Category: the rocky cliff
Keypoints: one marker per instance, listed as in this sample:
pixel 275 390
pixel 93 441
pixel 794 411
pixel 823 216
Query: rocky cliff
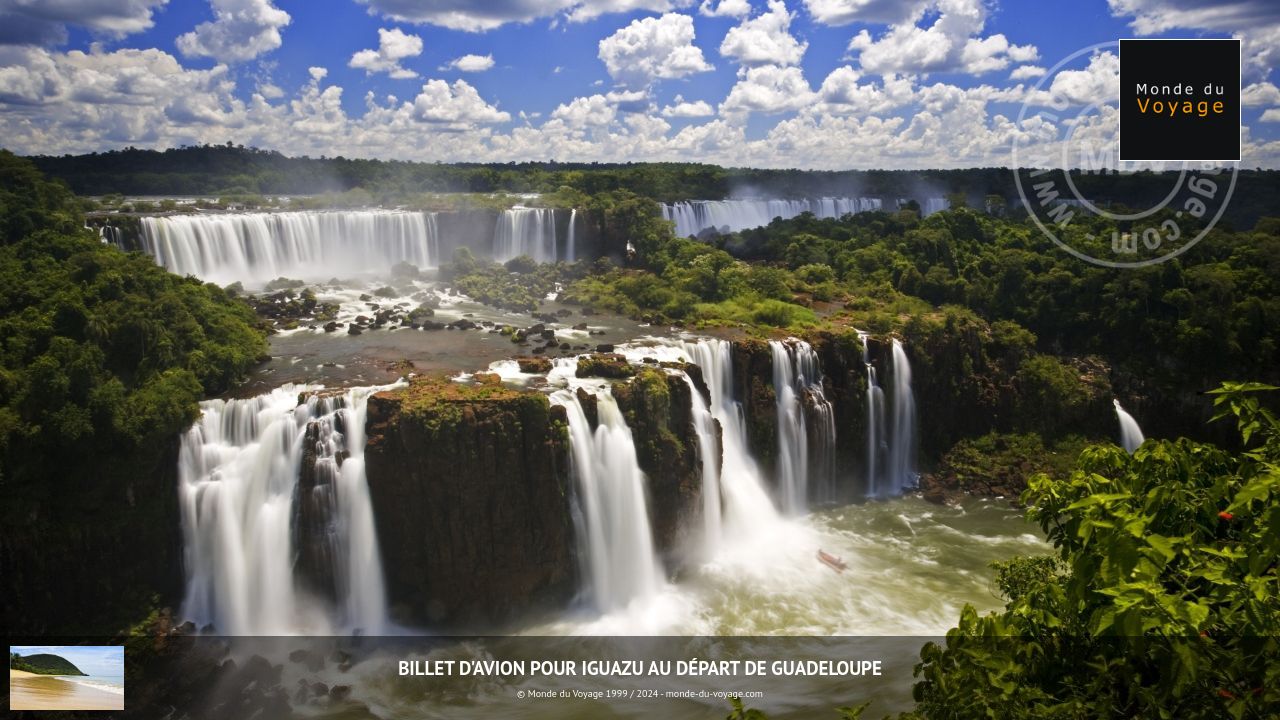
pixel 470 488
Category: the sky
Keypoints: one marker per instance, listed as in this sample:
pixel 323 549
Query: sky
pixel 826 84
pixel 105 660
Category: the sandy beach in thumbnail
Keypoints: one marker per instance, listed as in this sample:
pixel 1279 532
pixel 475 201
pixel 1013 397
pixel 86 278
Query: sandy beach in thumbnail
pixel 28 691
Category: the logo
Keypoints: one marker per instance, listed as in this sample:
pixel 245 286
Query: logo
pixel 1101 209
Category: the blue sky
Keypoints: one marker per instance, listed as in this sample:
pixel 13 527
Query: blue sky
pixel 803 83
pixel 91 659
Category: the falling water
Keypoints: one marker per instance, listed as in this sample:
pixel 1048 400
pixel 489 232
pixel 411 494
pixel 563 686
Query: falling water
pixel 693 216
pixel 704 426
pixel 797 380
pixel 525 231
pixel 875 421
pixel 571 249
pixel 1130 433
pixel 933 205
pixel 622 565
pixel 747 506
pixel 238 474
pixel 902 447
pixel 256 247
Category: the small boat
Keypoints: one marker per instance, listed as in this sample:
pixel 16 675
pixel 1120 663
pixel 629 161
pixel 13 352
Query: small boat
pixel 832 561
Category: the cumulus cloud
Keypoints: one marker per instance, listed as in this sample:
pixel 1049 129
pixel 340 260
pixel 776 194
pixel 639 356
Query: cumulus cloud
pixel 650 49
pixel 1271 115
pixel 240 30
pixel 725 8
pixel 952 43
pixel 767 89
pixel 473 16
pixel 23 22
pixel 844 12
pixel 1257 94
pixel 394 45
pixel 1256 22
pixel 470 63
pixel 682 108
pixel 765 40
pixel 1026 72
pixel 458 105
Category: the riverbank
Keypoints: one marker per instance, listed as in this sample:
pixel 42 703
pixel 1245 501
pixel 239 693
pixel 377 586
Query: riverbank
pixel 28 691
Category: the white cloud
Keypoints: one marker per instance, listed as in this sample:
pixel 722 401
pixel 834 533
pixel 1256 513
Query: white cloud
pixel 1256 22
pixel 1026 72
pixel 470 63
pixel 650 49
pixel 459 105
pixel 841 93
pixel 479 16
pixel 843 12
pixel 1258 94
pixel 682 108
pixel 1271 115
pixel 23 22
pixel 241 30
pixel 394 45
pixel 725 8
pixel 765 39
pixel 951 44
pixel 767 89
pixel 586 111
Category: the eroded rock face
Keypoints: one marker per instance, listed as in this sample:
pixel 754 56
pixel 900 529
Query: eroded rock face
pixel 753 377
pixel 470 488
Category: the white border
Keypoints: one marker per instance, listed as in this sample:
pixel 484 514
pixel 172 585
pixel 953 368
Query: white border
pixel 1239 105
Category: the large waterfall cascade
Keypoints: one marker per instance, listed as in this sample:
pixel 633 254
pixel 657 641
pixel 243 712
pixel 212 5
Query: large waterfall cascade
pixel 615 533
pixel 256 247
pixel 1130 433
pixel 902 450
pixel 239 490
pixel 797 383
pixel 525 231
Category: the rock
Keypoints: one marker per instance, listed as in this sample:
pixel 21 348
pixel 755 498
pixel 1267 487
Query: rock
pixel 535 330
pixel 354 330
pixel 604 348
pixel 535 365
pixel 338 693
pixel 580 326
pixel 548 334
pixel 470 486
pixel 608 365
pixel 564 312
pixel 487 378
pixel 365 297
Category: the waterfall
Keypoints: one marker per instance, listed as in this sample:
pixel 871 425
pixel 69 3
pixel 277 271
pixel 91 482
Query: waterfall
pixel 704 425
pixel 694 216
pixel 902 448
pixel 746 504
pixel 1130 433
pixel 797 380
pixel 571 247
pixel 933 205
pixel 241 499
pixel 617 539
pixel 256 247
pixel 875 420
pixel 525 231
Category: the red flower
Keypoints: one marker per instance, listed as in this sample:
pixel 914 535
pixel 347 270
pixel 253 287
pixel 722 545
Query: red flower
pixel 1226 694
pixel 1226 515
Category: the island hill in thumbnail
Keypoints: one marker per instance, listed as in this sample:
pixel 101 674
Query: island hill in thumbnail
pixel 43 664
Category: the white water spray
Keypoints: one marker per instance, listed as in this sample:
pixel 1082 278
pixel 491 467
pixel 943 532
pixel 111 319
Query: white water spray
pixel 1131 436
pixel 256 247
pixel 902 450
pixel 797 379
pixel 617 540
pixel 238 473
pixel 525 231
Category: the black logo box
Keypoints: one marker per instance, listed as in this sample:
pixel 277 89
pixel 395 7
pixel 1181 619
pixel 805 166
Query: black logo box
pixel 1185 64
